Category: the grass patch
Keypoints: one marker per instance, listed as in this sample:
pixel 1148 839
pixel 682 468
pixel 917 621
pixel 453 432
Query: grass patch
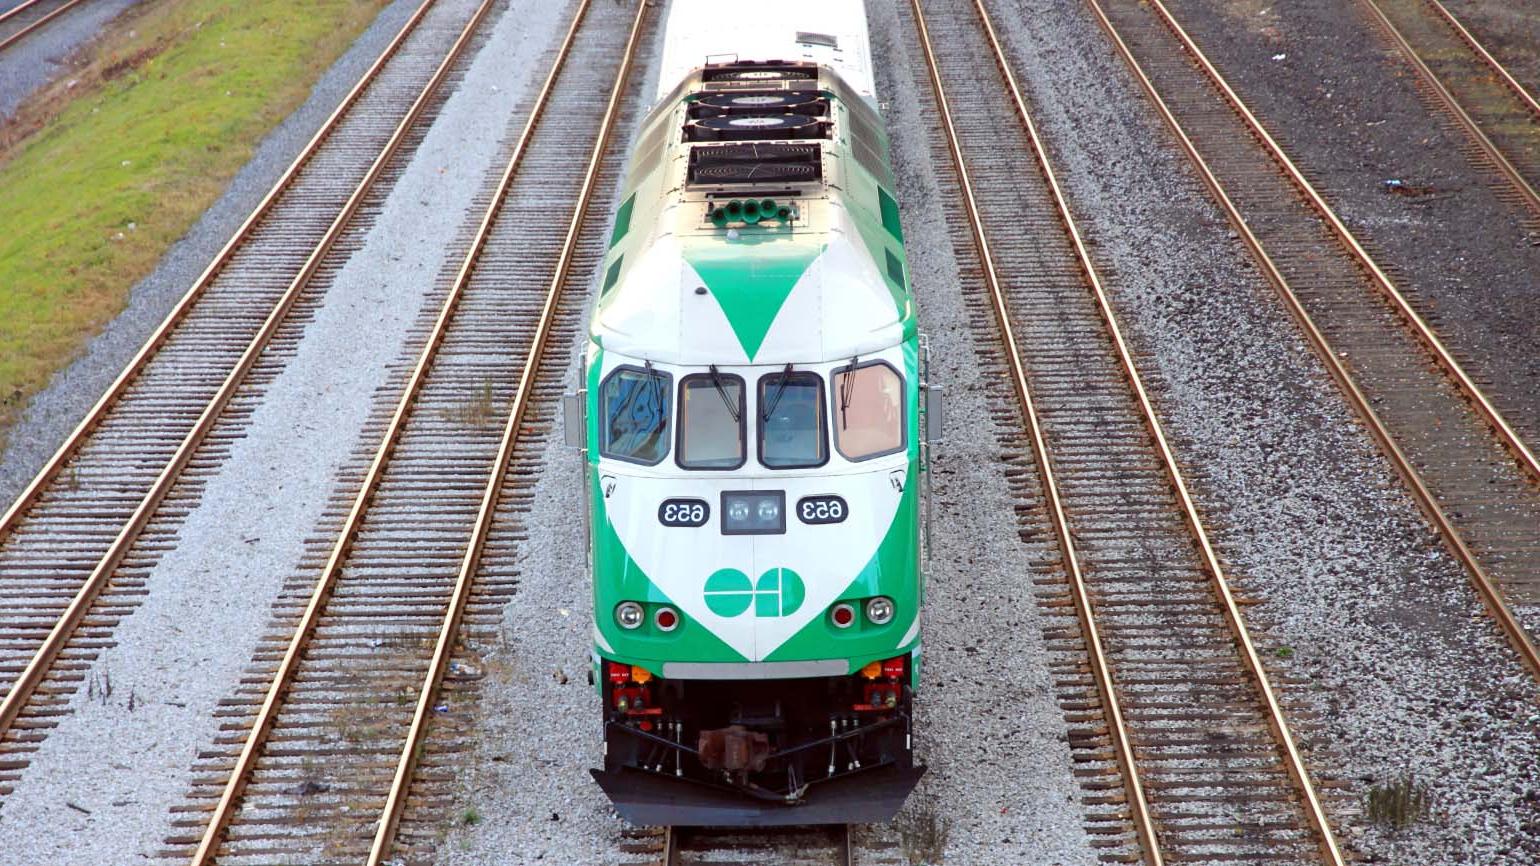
pixel 923 835
pixel 103 169
pixel 1398 804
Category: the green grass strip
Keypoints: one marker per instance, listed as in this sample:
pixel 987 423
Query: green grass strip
pixel 172 103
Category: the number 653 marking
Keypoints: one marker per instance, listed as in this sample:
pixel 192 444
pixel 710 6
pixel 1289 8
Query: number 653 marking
pixel 683 512
pixel 821 509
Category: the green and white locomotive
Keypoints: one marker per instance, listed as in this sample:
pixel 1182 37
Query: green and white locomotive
pixel 754 419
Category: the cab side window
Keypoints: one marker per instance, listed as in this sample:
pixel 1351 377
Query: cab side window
pixel 634 415
pixel 868 411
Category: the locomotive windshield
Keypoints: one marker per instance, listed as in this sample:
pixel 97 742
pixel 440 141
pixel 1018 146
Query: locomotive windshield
pixel 870 411
pixel 791 429
pixel 634 404
pixel 711 421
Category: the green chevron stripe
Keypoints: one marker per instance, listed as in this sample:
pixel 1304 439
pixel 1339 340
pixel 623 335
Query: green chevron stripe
pixel 751 278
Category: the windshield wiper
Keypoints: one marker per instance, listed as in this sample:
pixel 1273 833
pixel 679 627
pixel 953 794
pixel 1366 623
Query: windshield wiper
pixel 655 379
pixel 847 390
pixel 775 400
pixel 716 380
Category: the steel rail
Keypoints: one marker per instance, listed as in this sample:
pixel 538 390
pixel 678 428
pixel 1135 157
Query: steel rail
pixel 1519 183
pixel 1424 332
pixel 671 854
pixel 17 10
pixel 229 799
pixel 443 648
pixel 37 667
pixel 22 33
pixel 1143 821
pixel 1492 62
pixel 1221 584
pixel 1486 588
pixel 120 385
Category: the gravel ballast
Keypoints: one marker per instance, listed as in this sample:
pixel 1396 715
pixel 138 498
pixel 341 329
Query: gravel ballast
pixel 39 56
pixel 1364 619
pixel 124 759
pixel 55 410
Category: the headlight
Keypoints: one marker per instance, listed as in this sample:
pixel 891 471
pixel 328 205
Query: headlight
pixel 629 614
pixel 880 610
pixel 754 512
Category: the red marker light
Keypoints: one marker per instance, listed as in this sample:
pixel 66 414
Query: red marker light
pixel 619 673
pixel 843 615
pixel 893 668
pixel 666 619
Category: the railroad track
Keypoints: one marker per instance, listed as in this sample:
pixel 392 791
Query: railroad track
pixel 1475 477
pixel 78 544
pixel 1501 117
pixel 792 846
pixel 26 18
pixel 339 746
pixel 1170 691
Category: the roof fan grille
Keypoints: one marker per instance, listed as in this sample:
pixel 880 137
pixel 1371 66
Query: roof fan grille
pixel 750 127
pixel 810 103
pixel 755 164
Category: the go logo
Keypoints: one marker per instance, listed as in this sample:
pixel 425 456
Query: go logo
pixel 778 592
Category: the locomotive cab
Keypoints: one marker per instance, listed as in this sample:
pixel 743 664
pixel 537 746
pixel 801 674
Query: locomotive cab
pixel 755 548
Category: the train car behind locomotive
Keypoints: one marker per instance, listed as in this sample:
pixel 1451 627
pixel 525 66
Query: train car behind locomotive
pixel 754 417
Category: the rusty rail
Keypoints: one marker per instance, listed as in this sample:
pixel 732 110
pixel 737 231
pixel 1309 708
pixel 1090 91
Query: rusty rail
pixel 1144 824
pixel 37 667
pixel 289 666
pixel 21 34
pixel 230 797
pixel 120 385
pixel 1221 584
pixel 1424 332
pixel 444 646
pixel 1500 160
pixel 1492 63
pixel 1485 586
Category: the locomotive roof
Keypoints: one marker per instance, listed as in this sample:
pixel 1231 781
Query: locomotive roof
pixel 823 279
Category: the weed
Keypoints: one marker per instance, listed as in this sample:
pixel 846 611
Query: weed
pixel 475 412
pixel 1398 804
pixel 470 817
pixel 99 685
pixel 1284 652
pixel 923 836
